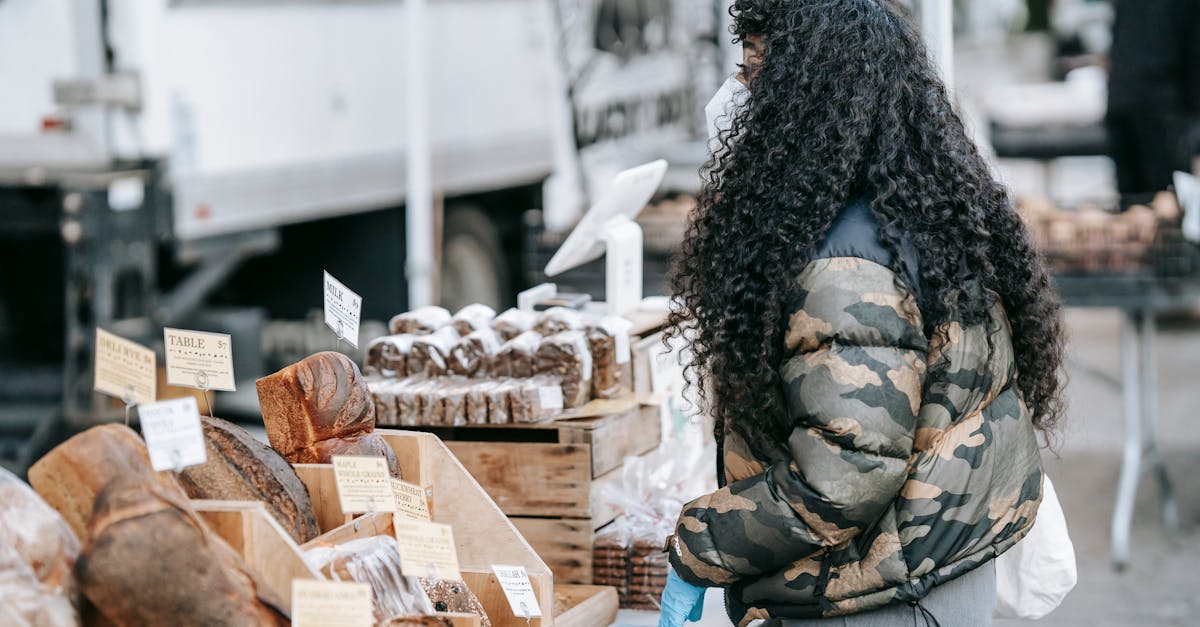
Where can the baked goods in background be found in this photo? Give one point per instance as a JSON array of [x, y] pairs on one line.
[[512, 323], [37, 558], [566, 357], [420, 321], [472, 318]]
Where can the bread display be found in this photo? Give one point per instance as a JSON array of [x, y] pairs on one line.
[[474, 354], [516, 356], [151, 561], [71, 475], [512, 323], [388, 355], [374, 561], [566, 357], [430, 354], [37, 557], [240, 468], [422, 321], [360, 444], [472, 318], [321, 397]]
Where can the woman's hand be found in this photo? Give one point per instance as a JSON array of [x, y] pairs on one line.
[[681, 602]]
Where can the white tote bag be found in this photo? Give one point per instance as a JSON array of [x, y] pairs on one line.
[[1035, 575]]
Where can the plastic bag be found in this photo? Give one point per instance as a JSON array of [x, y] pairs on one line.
[[1035, 575], [472, 318], [454, 399], [566, 357], [473, 355], [512, 323], [498, 402], [430, 354], [477, 402], [608, 343], [388, 355], [557, 320], [421, 321], [535, 400], [37, 557], [516, 356], [383, 392], [374, 561]]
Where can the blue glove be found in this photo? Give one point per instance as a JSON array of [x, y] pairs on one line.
[[681, 601]]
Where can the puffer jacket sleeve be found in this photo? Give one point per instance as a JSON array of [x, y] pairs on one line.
[[852, 376]]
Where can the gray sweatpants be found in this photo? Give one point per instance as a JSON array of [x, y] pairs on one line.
[[968, 601]]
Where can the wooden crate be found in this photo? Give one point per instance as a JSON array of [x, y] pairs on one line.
[[552, 479], [585, 606], [483, 534]]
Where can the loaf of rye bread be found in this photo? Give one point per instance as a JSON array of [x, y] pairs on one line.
[[152, 561], [71, 475], [240, 468], [321, 397]]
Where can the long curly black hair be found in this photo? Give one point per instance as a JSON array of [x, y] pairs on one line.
[[846, 103]]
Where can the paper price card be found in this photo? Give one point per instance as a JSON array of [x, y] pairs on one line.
[[427, 550], [518, 590], [364, 484], [343, 308], [124, 369], [410, 500], [173, 433], [198, 359], [331, 604]]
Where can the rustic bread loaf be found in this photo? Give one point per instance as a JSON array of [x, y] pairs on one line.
[[240, 468], [323, 396], [71, 474], [152, 561], [362, 444]]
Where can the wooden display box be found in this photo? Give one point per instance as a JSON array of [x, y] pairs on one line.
[[552, 478]]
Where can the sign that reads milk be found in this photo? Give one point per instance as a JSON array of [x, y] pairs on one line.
[[124, 369], [343, 308], [198, 359], [173, 434], [331, 604], [518, 590]]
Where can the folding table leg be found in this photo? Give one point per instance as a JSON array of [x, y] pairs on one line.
[[1131, 457], [1154, 455]]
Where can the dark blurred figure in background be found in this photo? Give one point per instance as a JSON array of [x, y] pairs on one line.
[[1153, 93]]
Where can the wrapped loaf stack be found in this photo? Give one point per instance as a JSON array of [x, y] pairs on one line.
[[321, 407], [374, 561]]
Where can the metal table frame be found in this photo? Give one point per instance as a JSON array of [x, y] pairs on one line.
[[1140, 298]]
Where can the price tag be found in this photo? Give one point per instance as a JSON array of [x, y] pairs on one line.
[[343, 308], [364, 484], [124, 369], [427, 550], [173, 433], [331, 604], [410, 500], [198, 359], [518, 590]]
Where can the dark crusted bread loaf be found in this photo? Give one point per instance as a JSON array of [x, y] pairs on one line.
[[241, 468], [152, 561], [362, 444], [321, 397]]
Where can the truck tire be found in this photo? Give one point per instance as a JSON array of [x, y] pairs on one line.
[[473, 265]]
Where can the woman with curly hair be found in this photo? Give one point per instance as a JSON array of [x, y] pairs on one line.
[[878, 339]]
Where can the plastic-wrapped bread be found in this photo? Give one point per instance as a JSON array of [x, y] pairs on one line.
[[473, 354], [477, 402], [455, 596], [535, 400], [383, 393], [557, 320], [37, 556], [323, 396], [498, 402], [361, 444], [241, 468], [421, 321], [185, 572], [608, 343], [472, 318], [374, 561], [454, 402], [430, 354], [512, 323], [71, 475], [566, 357], [388, 355], [408, 401], [429, 412], [516, 356]]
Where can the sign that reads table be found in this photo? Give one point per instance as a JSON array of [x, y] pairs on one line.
[[198, 359], [173, 433], [124, 369], [410, 500], [331, 604], [343, 308], [427, 550], [364, 484], [518, 590]]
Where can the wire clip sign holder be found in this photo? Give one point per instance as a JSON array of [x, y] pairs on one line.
[[125, 370]]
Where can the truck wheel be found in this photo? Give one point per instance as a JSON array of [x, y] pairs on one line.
[[473, 266]]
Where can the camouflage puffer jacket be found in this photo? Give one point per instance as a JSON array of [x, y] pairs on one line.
[[913, 461]]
